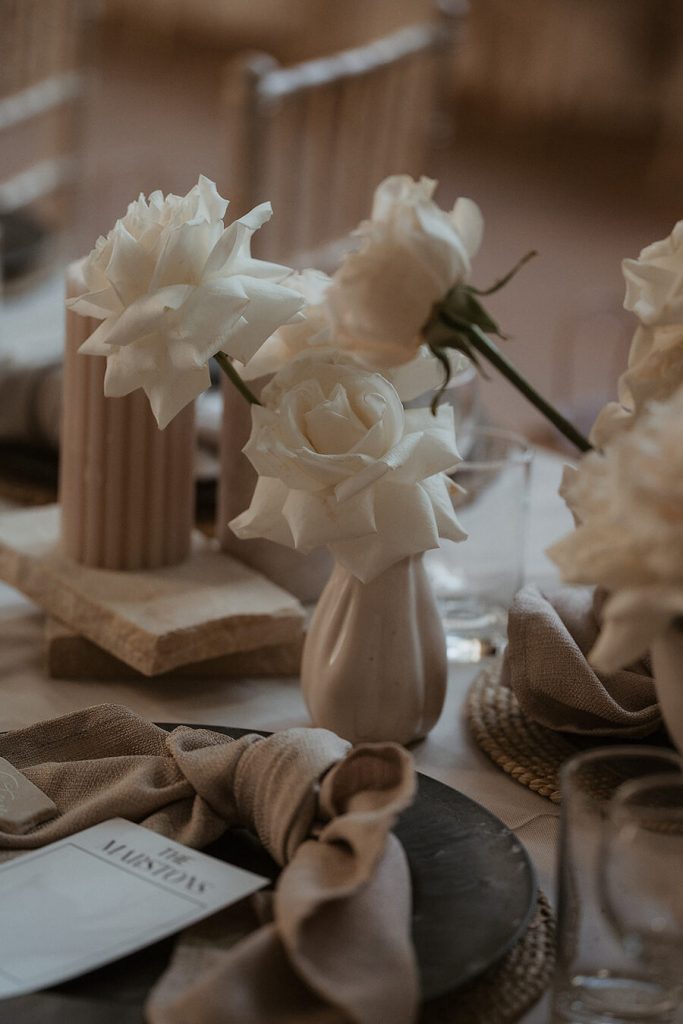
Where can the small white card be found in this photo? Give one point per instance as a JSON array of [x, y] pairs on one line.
[[100, 894]]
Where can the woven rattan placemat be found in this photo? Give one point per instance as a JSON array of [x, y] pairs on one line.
[[502, 994], [530, 753]]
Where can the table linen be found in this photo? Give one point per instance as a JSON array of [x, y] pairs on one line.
[[546, 665]]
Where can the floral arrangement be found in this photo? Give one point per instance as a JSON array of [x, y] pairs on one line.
[[339, 460], [403, 303], [627, 497], [173, 286]]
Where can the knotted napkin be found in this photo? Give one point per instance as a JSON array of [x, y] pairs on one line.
[[338, 947], [545, 664]]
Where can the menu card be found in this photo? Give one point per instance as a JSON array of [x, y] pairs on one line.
[[100, 894]]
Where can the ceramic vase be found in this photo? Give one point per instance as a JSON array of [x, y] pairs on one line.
[[667, 665], [374, 664]]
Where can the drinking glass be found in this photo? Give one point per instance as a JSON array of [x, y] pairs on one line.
[[462, 394], [640, 875], [600, 978], [475, 580]]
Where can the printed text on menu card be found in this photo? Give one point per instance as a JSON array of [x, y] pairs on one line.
[[100, 894]]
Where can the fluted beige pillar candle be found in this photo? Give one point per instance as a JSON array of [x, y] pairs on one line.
[[302, 575], [126, 488]]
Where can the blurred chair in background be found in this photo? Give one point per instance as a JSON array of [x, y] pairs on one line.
[[316, 138], [292, 31], [604, 65], [41, 82]]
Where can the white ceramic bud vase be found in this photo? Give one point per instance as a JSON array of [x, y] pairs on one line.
[[374, 664], [667, 665]]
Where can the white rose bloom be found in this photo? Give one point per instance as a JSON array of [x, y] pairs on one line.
[[314, 330], [629, 501], [342, 464], [412, 254], [173, 286], [654, 282]]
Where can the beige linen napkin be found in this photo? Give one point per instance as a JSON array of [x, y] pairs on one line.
[[338, 948], [545, 664]]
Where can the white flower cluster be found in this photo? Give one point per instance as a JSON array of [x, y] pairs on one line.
[[654, 293], [627, 497], [629, 538], [374, 306], [339, 461]]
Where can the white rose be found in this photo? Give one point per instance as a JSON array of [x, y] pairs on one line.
[[341, 463], [654, 282], [314, 330], [173, 286], [412, 253], [629, 501]]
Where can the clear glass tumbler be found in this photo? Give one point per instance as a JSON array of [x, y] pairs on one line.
[[475, 580], [601, 978], [640, 877]]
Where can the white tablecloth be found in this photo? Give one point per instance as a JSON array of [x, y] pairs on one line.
[[27, 695]]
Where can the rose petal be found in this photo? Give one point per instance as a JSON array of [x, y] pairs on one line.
[[264, 516], [315, 520], [166, 402], [130, 267], [406, 525], [147, 314], [469, 224], [269, 306], [96, 304]]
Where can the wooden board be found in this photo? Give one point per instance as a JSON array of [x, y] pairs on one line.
[[208, 606], [72, 656]]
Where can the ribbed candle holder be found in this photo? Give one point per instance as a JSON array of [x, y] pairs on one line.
[[126, 487]]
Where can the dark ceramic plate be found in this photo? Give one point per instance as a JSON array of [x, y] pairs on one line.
[[474, 891]]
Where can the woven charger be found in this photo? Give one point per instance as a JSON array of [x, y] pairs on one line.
[[503, 993]]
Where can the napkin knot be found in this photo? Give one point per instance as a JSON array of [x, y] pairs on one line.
[[267, 785]]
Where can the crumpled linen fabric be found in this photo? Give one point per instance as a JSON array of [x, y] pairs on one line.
[[545, 664], [338, 947]]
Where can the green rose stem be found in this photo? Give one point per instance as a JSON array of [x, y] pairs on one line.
[[490, 351], [477, 340], [229, 370], [460, 321]]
